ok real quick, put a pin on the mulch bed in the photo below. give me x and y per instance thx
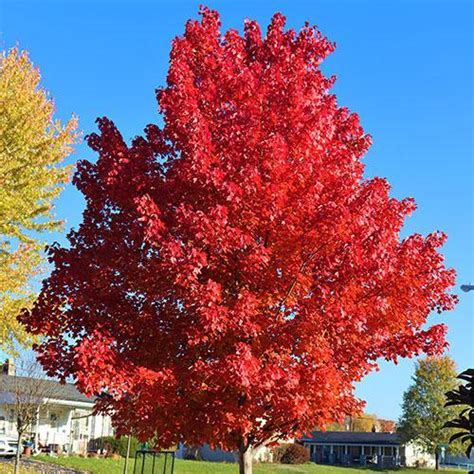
(40, 467)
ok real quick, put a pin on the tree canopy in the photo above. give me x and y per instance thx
(365, 422)
(33, 146)
(235, 273)
(423, 412)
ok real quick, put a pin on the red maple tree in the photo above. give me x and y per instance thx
(234, 273)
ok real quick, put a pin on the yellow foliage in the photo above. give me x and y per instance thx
(366, 422)
(33, 145)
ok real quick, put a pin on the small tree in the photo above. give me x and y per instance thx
(387, 426)
(366, 422)
(29, 391)
(33, 146)
(463, 396)
(423, 413)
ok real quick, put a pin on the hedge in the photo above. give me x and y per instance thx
(117, 445)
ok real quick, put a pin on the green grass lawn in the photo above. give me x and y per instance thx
(112, 466)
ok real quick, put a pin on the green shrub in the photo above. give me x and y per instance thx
(290, 454)
(117, 445)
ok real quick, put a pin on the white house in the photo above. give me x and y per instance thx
(66, 422)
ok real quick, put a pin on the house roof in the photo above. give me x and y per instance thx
(352, 437)
(55, 390)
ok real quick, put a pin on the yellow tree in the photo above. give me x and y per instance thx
(423, 412)
(367, 422)
(33, 146)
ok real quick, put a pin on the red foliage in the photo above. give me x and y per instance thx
(387, 426)
(234, 273)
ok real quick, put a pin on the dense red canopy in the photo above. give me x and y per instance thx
(234, 273)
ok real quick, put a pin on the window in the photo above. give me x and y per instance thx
(388, 451)
(339, 453)
(76, 429)
(53, 417)
(355, 451)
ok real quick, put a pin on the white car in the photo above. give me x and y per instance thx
(8, 446)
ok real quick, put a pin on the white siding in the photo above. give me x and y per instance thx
(415, 456)
(61, 424)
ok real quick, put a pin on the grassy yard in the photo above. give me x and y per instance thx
(111, 466)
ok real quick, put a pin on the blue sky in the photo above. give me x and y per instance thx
(405, 66)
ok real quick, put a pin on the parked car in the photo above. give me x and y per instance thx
(8, 446)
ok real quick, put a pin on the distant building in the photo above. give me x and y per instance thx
(206, 453)
(65, 423)
(361, 448)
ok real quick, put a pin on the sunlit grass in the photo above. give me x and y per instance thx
(116, 466)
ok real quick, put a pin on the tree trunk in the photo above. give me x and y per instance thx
(437, 460)
(37, 422)
(125, 468)
(245, 459)
(16, 469)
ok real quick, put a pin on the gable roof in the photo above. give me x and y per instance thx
(58, 391)
(353, 437)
